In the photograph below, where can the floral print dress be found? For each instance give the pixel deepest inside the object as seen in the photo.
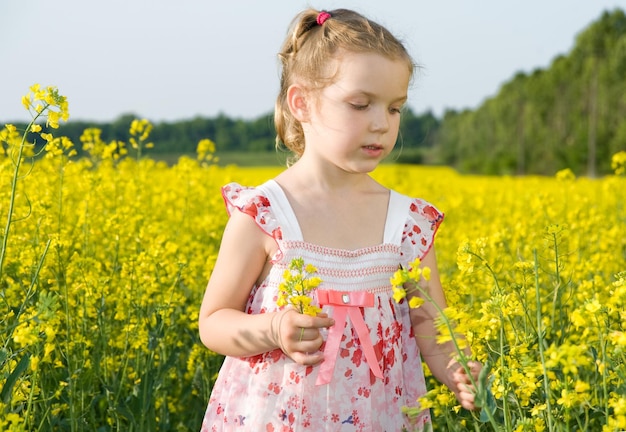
(357, 392)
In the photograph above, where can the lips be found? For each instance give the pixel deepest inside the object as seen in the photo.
(373, 147)
(373, 150)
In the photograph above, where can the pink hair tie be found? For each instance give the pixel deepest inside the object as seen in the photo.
(322, 17)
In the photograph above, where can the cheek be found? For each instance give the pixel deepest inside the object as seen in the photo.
(394, 124)
(394, 131)
(345, 121)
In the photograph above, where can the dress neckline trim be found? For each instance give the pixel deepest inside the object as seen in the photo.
(391, 227)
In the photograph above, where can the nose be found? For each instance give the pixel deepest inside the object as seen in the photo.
(380, 120)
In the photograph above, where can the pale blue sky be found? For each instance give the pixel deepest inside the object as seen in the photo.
(166, 60)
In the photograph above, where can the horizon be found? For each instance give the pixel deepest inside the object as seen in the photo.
(171, 63)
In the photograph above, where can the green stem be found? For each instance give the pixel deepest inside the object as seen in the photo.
(31, 288)
(69, 357)
(463, 359)
(505, 404)
(31, 398)
(540, 341)
(16, 173)
(488, 266)
(497, 284)
(557, 276)
(604, 374)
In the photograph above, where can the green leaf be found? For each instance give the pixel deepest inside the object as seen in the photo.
(7, 389)
(489, 403)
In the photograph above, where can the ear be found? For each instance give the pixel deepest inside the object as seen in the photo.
(297, 102)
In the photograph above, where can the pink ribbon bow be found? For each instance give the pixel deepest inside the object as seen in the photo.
(346, 304)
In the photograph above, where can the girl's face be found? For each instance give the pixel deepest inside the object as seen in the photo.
(355, 120)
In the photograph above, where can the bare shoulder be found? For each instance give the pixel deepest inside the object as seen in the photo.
(244, 234)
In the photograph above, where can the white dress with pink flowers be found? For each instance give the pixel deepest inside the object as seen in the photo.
(372, 366)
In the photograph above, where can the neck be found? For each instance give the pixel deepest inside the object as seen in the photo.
(326, 177)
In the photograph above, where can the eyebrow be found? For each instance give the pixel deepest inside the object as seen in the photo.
(373, 95)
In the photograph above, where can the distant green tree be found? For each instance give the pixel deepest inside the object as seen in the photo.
(570, 115)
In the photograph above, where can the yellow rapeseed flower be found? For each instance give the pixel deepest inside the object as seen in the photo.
(567, 399)
(581, 386)
(618, 163)
(206, 151)
(398, 293)
(297, 285)
(593, 306)
(618, 338)
(25, 334)
(399, 278)
(53, 119)
(46, 136)
(415, 302)
(34, 363)
(117, 264)
(565, 175)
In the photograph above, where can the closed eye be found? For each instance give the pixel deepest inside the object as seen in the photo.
(359, 107)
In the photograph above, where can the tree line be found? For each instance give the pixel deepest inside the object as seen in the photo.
(237, 135)
(569, 115)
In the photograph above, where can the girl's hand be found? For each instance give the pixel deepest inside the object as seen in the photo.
(461, 384)
(298, 335)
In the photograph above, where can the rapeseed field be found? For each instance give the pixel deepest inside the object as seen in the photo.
(104, 261)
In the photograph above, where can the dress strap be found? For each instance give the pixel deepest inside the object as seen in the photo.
(282, 210)
(396, 217)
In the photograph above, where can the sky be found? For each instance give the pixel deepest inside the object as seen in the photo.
(168, 61)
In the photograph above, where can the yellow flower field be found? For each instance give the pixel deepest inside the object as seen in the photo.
(105, 259)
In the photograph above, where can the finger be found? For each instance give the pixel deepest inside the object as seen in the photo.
(319, 322)
(467, 400)
(475, 368)
(466, 392)
(302, 340)
(458, 371)
(307, 359)
(454, 365)
(299, 351)
(310, 347)
(460, 377)
(474, 365)
(468, 405)
(308, 321)
(295, 332)
(308, 334)
(463, 390)
(461, 374)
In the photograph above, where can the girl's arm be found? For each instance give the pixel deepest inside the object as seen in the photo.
(224, 326)
(441, 358)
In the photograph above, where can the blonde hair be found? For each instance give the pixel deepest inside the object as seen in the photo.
(306, 53)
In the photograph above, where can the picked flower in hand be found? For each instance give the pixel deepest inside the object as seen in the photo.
(404, 279)
(298, 282)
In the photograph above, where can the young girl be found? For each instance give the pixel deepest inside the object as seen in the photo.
(354, 366)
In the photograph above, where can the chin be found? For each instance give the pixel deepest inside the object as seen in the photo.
(362, 167)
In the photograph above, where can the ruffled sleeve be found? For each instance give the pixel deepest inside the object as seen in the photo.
(253, 202)
(420, 228)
